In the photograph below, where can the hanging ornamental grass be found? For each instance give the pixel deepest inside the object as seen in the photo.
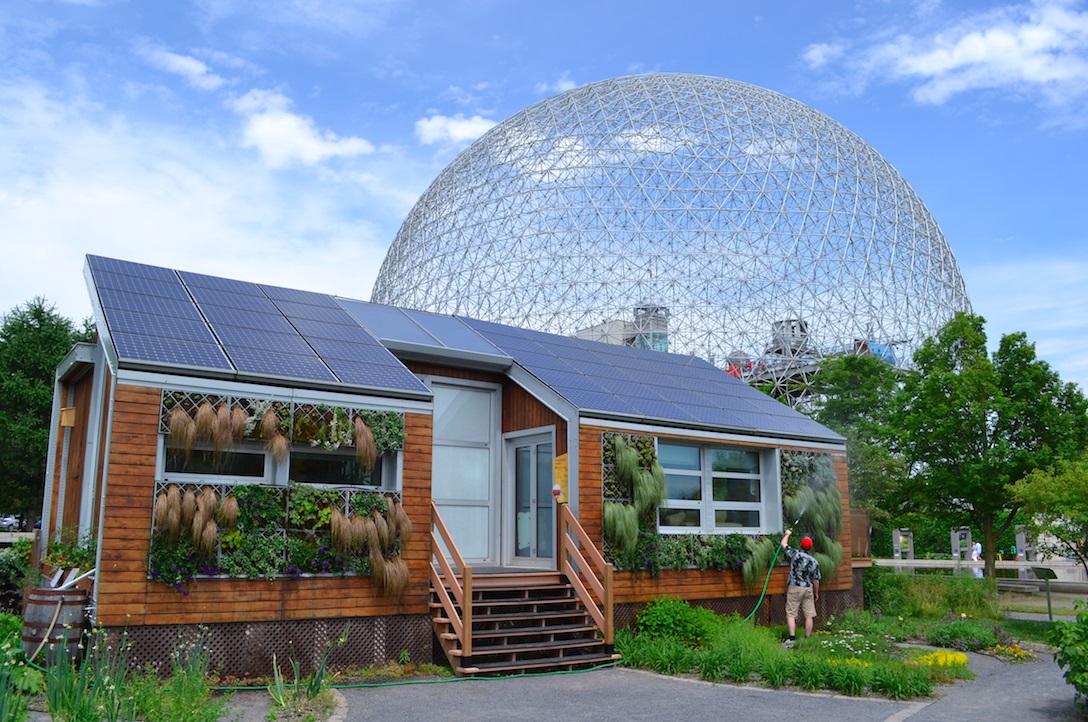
(621, 526)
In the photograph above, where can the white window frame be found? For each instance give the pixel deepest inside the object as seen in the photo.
(770, 491)
(277, 473)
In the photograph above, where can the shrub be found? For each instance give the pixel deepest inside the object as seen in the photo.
(1071, 639)
(967, 635)
(675, 618)
(928, 595)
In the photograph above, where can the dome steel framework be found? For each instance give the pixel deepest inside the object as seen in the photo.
(762, 232)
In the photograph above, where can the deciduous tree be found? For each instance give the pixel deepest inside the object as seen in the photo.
(969, 425)
(1056, 503)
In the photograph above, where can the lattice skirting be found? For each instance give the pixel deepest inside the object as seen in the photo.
(771, 611)
(245, 650)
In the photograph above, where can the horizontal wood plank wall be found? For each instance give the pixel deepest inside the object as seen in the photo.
(127, 597)
(634, 587)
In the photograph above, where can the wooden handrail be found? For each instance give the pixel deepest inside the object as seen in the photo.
(462, 588)
(579, 558)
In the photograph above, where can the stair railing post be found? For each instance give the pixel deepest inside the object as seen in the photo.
(466, 612)
(562, 535)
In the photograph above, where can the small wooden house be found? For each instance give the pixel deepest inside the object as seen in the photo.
(271, 464)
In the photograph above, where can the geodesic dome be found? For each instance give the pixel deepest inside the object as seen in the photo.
(722, 218)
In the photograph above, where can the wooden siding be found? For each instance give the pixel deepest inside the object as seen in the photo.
(127, 598)
(634, 587)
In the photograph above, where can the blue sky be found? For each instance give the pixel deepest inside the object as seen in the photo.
(283, 141)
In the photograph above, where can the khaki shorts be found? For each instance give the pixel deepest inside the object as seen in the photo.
(800, 598)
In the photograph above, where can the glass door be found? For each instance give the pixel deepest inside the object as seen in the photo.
(534, 507)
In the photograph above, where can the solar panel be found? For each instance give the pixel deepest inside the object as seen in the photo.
(170, 351)
(391, 377)
(387, 322)
(259, 339)
(312, 312)
(305, 298)
(145, 286)
(242, 318)
(332, 331)
(139, 270)
(225, 285)
(122, 322)
(141, 303)
(226, 299)
(452, 332)
(280, 364)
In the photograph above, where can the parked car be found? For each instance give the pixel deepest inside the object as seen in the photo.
(9, 523)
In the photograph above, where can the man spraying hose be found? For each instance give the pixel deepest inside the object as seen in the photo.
(802, 586)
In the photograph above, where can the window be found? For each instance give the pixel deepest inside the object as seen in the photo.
(716, 489)
(339, 468)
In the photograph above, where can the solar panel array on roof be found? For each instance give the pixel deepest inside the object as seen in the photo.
(645, 384)
(181, 318)
(150, 316)
(390, 323)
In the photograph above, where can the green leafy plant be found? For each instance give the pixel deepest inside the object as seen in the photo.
(70, 549)
(1071, 639)
(672, 617)
(186, 695)
(967, 635)
(257, 555)
(310, 507)
(94, 690)
(722, 552)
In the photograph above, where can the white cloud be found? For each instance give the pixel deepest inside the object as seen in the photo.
(563, 84)
(194, 71)
(454, 129)
(74, 181)
(284, 138)
(1038, 49)
(820, 54)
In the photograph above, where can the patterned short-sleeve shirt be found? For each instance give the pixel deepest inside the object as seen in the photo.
(803, 568)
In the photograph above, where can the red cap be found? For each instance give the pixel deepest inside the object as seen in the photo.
(806, 543)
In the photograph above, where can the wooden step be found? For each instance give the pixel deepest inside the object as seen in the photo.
(555, 663)
(494, 649)
(527, 631)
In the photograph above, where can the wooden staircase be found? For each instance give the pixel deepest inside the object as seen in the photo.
(524, 622)
(513, 623)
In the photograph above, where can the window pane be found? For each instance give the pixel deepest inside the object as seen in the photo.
(678, 517)
(736, 489)
(238, 463)
(314, 467)
(461, 473)
(735, 518)
(735, 460)
(462, 414)
(673, 456)
(679, 486)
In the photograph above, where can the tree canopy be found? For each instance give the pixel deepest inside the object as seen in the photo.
(33, 340)
(852, 395)
(1056, 502)
(969, 425)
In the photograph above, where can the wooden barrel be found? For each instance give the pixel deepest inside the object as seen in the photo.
(60, 637)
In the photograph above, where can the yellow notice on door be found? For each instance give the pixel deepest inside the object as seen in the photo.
(559, 474)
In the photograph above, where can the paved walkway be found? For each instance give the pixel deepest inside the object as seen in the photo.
(1021, 692)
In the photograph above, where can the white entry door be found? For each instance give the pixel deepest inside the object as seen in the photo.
(530, 505)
